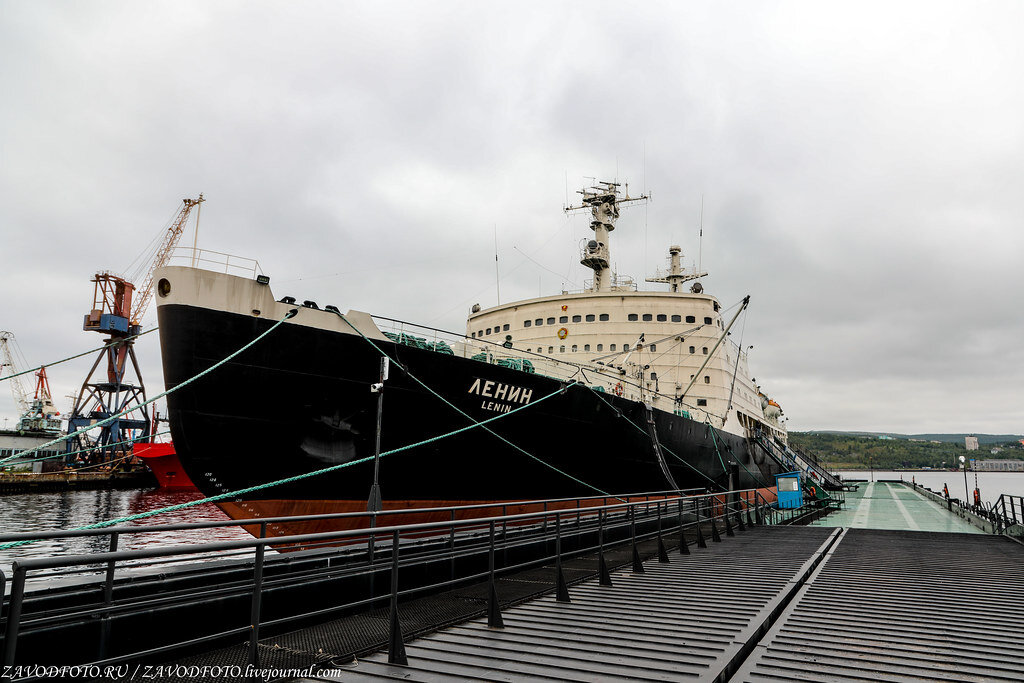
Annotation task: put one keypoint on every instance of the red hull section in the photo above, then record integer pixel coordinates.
(163, 462)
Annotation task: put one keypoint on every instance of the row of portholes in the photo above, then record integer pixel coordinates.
(591, 317)
(653, 348)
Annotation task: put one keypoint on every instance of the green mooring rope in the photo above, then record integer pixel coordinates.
(287, 480)
(110, 419)
(467, 415)
(79, 355)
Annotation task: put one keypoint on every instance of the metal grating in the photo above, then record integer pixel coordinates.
(688, 619)
(902, 606)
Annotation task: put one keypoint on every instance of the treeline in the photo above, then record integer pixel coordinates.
(844, 451)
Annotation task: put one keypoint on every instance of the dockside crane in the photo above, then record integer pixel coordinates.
(38, 414)
(117, 312)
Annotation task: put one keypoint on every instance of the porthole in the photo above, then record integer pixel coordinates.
(163, 287)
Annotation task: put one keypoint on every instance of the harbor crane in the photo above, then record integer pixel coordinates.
(117, 312)
(38, 414)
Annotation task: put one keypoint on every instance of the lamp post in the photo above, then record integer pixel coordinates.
(967, 494)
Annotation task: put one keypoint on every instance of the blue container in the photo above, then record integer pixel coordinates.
(790, 493)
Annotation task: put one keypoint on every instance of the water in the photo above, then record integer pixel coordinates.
(991, 483)
(72, 509)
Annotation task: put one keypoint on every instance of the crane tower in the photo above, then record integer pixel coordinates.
(117, 312)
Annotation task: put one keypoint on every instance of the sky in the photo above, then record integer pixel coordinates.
(860, 166)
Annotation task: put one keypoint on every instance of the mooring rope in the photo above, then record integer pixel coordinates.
(90, 450)
(729, 448)
(287, 480)
(467, 415)
(292, 313)
(112, 344)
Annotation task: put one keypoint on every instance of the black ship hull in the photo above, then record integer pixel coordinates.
(299, 400)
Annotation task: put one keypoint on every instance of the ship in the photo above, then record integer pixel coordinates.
(605, 391)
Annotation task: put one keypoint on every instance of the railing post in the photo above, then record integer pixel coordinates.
(739, 518)
(604, 577)
(638, 566)
(14, 613)
(3, 585)
(108, 597)
(662, 553)
(257, 601)
(701, 543)
(684, 549)
(715, 536)
(561, 588)
(396, 644)
(494, 619)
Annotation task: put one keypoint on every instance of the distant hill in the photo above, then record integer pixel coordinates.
(983, 439)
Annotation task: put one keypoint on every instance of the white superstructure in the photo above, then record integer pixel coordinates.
(670, 348)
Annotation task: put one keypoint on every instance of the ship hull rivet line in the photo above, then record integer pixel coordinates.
(561, 587)
(604, 576)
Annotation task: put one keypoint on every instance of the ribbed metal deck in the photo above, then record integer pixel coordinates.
(899, 606)
(771, 603)
(688, 619)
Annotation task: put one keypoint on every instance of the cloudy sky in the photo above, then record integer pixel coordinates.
(860, 163)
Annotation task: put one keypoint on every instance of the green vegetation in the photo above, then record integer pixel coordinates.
(860, 452)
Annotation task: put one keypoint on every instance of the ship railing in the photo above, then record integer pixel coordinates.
(1004, 516)
(217, 261)
(496, 353)
(265, 594)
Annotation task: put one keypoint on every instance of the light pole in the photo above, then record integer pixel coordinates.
(967, 495)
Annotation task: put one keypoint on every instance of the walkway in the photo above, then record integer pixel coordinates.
(893, 505)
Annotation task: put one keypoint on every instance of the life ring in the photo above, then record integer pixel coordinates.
(563, 333)
(814, 491)
(618, 389)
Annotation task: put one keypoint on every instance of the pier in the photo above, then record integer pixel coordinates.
(662, 586)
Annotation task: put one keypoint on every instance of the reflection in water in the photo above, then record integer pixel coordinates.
(72, 509)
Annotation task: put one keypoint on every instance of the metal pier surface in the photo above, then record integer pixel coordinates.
(771, 603)
(894, 505)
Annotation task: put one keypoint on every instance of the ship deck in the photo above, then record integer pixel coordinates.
(894, 505)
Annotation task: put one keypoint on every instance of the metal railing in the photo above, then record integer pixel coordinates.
(577, 526)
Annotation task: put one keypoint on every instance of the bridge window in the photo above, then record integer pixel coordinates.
(590, 318)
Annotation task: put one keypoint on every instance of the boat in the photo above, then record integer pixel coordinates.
(608, 390)
(162, 461)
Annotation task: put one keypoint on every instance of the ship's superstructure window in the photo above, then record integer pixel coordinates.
(603, 317)
(625, 347)
(473, 335)
(693, 349)
(563, 319)
(705, 350)
(677, 318)
(691, 318)
(632, 316)
(504, 328)
(488, 331)
(611, 347)
(561, 349)
(574, 348)
(590, 317)
(480, 333)
(586, 347)
(702, 401)
(707, 380)
(538, 322)
(551, 349)
(577, 318)
(654, 347)
(648, 317)
(527, 323)
(662, 317)
(551, 321)
(600, 347)
(707, 320)
(716, 307)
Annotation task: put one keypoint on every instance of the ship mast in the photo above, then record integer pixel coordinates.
(604, 201)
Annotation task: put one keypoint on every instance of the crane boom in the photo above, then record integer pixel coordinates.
(163, 254)
(7, 361)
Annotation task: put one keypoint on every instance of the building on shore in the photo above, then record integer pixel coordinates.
(971, 442)
(999, 465)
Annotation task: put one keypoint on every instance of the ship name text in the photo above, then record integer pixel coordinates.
(503, 395)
